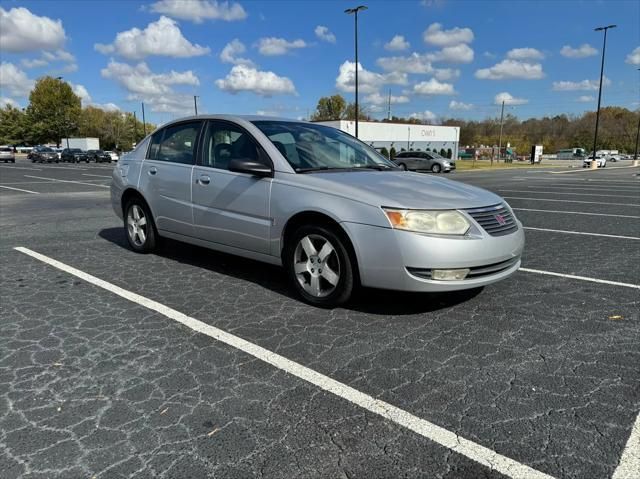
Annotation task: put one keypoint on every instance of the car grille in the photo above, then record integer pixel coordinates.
(474, 272)
(488, 218)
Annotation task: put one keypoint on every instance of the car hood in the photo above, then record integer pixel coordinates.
(400, 189)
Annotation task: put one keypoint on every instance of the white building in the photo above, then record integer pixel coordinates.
(402, 136)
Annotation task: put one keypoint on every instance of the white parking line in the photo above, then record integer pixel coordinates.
(569, 201)
(580, 233)
(591, 188)
(19, 189)
(584, 170)
(444, 437)
(629, 465)
(577, 213)
(66, 181)
(581, 278)
(566, 193)
(21, 168)
(101, 176)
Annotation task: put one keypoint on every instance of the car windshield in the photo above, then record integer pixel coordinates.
(314, 147)
(75, 150)
(4, 148)
(435, 155)
(46, 149)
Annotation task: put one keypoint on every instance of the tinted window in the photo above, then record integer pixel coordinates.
(226, 141)
(176, 143)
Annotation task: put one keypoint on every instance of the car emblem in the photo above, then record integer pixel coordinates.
(501, 220)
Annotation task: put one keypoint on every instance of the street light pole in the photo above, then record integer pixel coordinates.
(355, 11)
(500, 140)
(195, 104)
(594, 163)
(144, 121)
(635, 155)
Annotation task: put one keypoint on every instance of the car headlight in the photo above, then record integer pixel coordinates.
(443, 222)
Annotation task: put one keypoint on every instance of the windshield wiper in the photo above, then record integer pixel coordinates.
(375, 167)
(322, 168)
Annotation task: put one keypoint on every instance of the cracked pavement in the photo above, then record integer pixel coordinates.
(92, 385)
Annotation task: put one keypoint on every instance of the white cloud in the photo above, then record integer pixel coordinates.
(51, 57)
(368, 82)
(323, 33)
(455, 54)
(82, 92)
(444, 74)
(424, 115)
(509, 99)
(433, 87)
(584, 50)
(414, 63)
(199, 10)
(378, 99)
(511, 69)
(580, 85)
(155, 89)
(278, 46)
(263, 83)
(106, 106)
(435, 35)
(633, 58)
(22, 31)
(159, 38)
(4, 101)
(586, 98)
(525, 54)
(230, 52)
(458, 105)
(14, 80)
(397, 43)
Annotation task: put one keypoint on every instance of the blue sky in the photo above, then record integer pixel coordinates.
(439, 58)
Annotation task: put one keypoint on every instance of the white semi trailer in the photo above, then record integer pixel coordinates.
(83, 143)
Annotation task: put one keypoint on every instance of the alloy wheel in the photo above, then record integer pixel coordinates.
(137, 225)
(316, 265)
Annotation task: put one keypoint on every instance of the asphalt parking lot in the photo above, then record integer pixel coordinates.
(191, 363)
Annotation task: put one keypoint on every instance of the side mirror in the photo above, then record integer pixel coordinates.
(246, 165)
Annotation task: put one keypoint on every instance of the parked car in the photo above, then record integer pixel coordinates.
(42, 154)
(616, 158)
(98, 156)
(113, 155)
(74, 155)
(7, 154)
(424, 161)
(327, 207)
(601, 161)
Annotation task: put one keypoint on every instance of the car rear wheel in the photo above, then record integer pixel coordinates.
(138, 223)
(403, 166)
(436, 168)
(319, 266)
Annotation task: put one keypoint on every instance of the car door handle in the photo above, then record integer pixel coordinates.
(204, 180)
(153, 170)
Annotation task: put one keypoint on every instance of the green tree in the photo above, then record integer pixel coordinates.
(350, 113)
(384, 152)
(53, 111)
(442, 152)
(449, 153)
(392, 153)
(330, 108)
(14, 127)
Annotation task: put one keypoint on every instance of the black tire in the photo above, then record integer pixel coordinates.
(436, 168)
(151, 235)
(341, 256)
(403, 166)
(13, 161)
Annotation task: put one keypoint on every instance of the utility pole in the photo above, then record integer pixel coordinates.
(195, 104)
(408, 137)
(389, 106)
(635, 155)
(594, 163)
(135, 128)
(355, 12)
(500, 140)
(144, 122)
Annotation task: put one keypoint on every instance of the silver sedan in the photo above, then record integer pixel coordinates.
(317, 201)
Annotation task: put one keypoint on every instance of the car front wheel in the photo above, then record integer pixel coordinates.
(319, 266)
(436, 168)
(403, 166)
(138, 223)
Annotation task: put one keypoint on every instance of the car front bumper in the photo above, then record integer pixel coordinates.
(386, 256)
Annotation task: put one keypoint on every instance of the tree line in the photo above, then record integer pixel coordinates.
(617, 128)
(55, 112)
